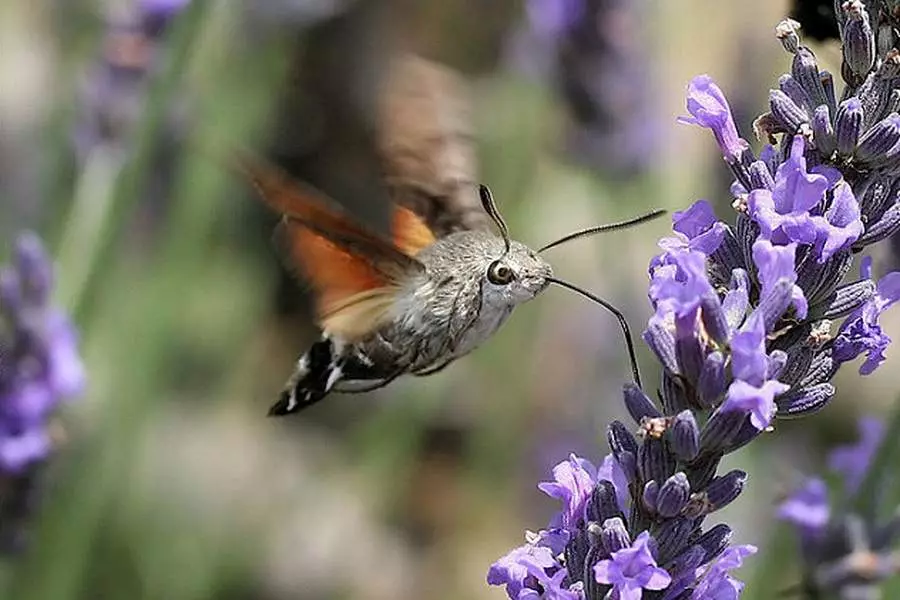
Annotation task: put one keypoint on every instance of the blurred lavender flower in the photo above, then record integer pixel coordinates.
(594, 53)
(741, 327)
(843, 552)
(39, 368)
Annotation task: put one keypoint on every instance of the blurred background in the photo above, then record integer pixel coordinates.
(170, 482)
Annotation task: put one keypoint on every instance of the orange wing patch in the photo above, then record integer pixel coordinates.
(352, 297)
(410, 233)
(356, 274)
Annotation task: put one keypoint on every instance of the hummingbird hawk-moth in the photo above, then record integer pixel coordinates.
(443, 281)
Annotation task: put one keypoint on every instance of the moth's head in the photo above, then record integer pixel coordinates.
(518, 275)
(515, 273)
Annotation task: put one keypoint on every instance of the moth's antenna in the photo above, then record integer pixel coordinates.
(603, 228)
(626, 331)
(490, 207)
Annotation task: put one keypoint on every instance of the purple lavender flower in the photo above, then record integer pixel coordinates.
(631, 570)
(844, 552)
(716, 583)
(861, 333)
(40, 364)
(524, 572)
(39, 368)
(757, 401)
(740, 326)
(697, 229)
(852, 461)
(575, 478)
(807, 508)
(783, 213)
(709, 108)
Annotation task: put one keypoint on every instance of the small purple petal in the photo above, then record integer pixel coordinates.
(708, 108)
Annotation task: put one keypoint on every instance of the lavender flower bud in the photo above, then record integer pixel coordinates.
(785, 111)
(711, 383)
(672, 536)
(821, 369)
(713, 317)
(728, 256)
(614, 536)
(804, 401)
(675, 396)
(720, 428)
(650, 496)
(878, 141)
(654, 460)
(799, 360)
(684, 436)
(737, 300)
(602, 504)
(777, 360)
(786, 32)
(806, 71)
(689, 351)
(637, 403)
(846, 299)
(687, 561)
(823, 131)
(883, 228)
(858, 38)
(773, 304)
(793, 90)
(702, 469)
(624, 447)
(760, 177)
(661, 341)
(723, 490)
(714, 541)
(673, 495)
(828, 85)
(848, 125)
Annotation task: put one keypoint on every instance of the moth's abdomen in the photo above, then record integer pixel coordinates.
(314, 375)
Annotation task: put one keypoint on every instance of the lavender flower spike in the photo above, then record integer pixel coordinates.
(709, 108)
(40, 366)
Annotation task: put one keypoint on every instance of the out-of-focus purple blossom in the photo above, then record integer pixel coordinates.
(592, 53)
(807, 508)
(708, 108)
(554, 18)
(861, 333)
(39, 368)
(852, 461)
(631, 570)
(845, 552)
(39, 361)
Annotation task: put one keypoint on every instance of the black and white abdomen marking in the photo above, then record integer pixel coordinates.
(314, 375)
(326, 363)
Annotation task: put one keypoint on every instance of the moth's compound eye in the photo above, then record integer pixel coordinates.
(499, 274)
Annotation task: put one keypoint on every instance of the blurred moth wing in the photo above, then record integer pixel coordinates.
(356, 274)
